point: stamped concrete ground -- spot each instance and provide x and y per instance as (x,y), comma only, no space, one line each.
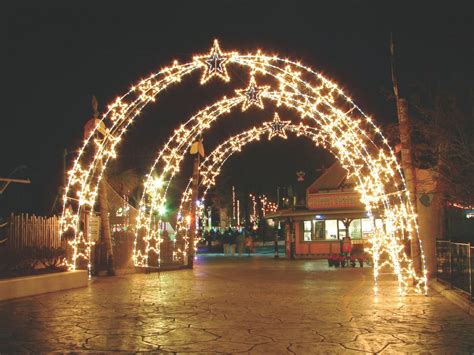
(256,305)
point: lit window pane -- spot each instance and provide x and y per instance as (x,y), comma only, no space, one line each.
(367,227)
(307,231)
(355,229)
(331,229)
(319,230)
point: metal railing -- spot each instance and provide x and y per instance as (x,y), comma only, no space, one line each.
(455,265)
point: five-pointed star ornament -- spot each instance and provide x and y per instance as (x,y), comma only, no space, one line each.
(277,127)
(252,94)
(214,63)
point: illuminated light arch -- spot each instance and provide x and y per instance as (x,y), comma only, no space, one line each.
(153,235)
(174,150)
(363,151)
(392,249)
(172,154)
(169,158)
(211,166)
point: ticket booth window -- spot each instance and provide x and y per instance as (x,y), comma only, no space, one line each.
(331,229)
(308,231)
(319,230)
(367,227)
(342,230)
(355,229)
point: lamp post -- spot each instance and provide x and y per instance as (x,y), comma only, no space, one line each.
(276,256)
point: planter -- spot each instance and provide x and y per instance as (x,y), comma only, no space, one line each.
(37,285)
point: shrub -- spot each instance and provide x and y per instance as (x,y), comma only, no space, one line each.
(27,259)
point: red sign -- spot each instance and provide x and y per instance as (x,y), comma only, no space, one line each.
(329,201)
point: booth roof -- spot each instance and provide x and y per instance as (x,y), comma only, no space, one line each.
(333,178)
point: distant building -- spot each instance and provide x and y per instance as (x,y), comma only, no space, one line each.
(331,211)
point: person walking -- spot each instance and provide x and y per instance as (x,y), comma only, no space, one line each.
(226,241)
(240,243)
(346,245)
(249,244)
(347,248)
(233,241)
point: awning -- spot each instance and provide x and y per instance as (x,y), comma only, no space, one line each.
(315,214)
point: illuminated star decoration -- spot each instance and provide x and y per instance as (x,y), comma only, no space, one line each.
(214,62)
(277,127)
(300,175)
(252,94)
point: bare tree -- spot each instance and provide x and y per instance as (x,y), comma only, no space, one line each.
(444,136)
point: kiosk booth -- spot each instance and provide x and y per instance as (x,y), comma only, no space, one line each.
(331,212)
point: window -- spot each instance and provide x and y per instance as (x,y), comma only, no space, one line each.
(355,231)
(307,231)
(331,229)
(313,230)
(379,224)
(342,229)
(368,226)
(319,230)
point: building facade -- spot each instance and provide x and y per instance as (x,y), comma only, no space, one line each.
(332,210)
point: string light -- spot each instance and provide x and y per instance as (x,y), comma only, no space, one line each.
(277,127)
(254,216)
(269,206)
(238,213)
(350,134)
(252,94)
(211,166)
(214,63)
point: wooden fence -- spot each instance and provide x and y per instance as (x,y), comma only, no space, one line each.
(32,231)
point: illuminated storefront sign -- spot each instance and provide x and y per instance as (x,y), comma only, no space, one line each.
(334,200)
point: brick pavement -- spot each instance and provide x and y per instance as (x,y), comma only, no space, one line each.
(257,305)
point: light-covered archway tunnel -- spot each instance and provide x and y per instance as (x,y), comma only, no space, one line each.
(352,136)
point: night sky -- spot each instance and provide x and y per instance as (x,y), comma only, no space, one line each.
(61,53)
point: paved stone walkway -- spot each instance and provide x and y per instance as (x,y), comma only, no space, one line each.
(257,305)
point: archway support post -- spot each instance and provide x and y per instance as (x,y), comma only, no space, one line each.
(410,177)
(194,198)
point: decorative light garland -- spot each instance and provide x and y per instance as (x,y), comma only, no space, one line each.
(254,216)
(353,137)
(211,167)
(268,206)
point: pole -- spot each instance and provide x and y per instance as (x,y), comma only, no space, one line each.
(103,200)
(64,168)
(105,225)
(86,237)
(18,181)
(450,265)
(292,241)
(471,291)
(406,156)
(276,256)
(194,197)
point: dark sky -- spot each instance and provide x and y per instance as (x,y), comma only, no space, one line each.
(61,53)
